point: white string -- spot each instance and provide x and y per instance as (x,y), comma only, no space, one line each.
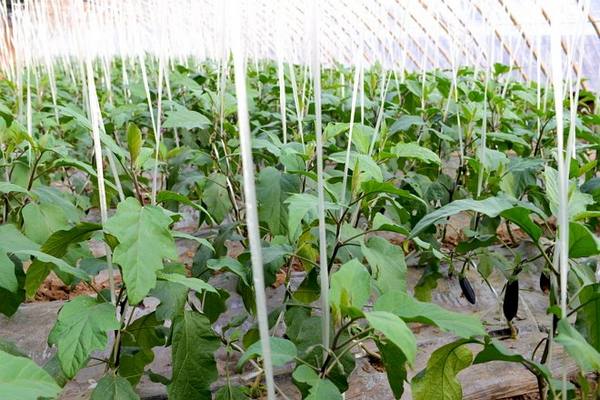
(251,205)
(324,272)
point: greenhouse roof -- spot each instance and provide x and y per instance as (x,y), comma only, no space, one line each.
(415,34)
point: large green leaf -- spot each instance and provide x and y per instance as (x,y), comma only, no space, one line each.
(414,150)
(112,387)
(492,207)
(191,283)
(61,265)
(282,352)
(350,288)
(216,197)
(323,389)
(586,356)
(318,388)
(520,217)
(167,195)
(184,118)
(173,298)
(134,141)
(495,351)
(11,239)
(582,242)
(41,220)
(387,264)
(194,366)
(588,316)
(137,340)
(80,329)
(365,163)
(22,379)
(144,241)
(230,393)
(438,381)
(231,265)
(303,206)
(577,201)
(57,245)
(7,187)
(405,122)
(412,310)
(84,167)
(362,136)
(10,301)
(272,189)
(371,187)
(394,330)
(394,362)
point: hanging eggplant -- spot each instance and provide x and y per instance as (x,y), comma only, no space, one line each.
(511,300)
(467,289)
(544,282)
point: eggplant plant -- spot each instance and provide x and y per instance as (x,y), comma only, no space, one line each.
(395,175)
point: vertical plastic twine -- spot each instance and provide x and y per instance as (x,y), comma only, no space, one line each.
(250,198)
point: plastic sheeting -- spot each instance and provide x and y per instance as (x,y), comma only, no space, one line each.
(399,34)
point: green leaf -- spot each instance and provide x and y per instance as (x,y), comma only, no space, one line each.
(361,137)
(230,393)
(383,223)
(57,246)
(144,241)
(323,389)
(587,357)
(194,366)
(7,187)
(507,137)
(394,330)
(216,197)
(192,283)
(272,189)
(372,187)
(387,264)
(413,310)
(438,381)
(61,265)
(319,388)
(282,352)
(84,167)
(229,264)
(80,329)
(22,379)
(173,298)
(134,141)
(137,340)
(405,122)
(495,351)
(184,118)
(520,217)
(350,287)
(183,235)
(303,206)
(394,362)
(11,239)
(41,220)
(10,301)
(588,316)
(414,151)
(492,207)
(366,164)
(167,195)
(112,387)
(578,201)
(582,242)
